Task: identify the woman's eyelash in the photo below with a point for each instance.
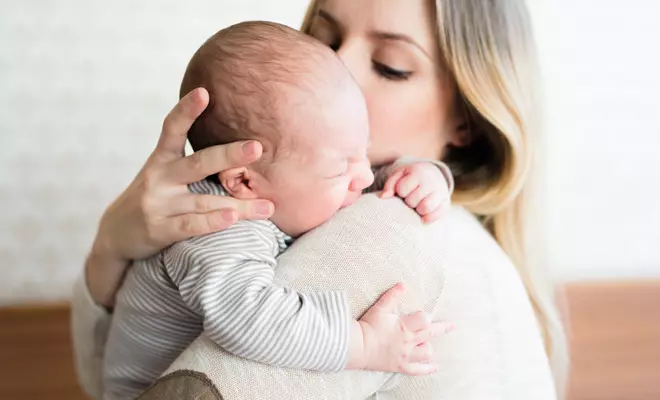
(390, 73)
(381, 69)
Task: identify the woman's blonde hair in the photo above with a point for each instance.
(489, 49)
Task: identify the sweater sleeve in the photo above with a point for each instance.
(227, 277)
(89, 326)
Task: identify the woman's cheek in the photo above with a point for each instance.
(390, 126)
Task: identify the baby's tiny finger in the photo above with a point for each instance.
(441, 328)
(417, 321)
(429, 204)
(418, 369)
(423, 335)
(385, 194)
(390, 183)
(414, 198)
(433, 216)
(406, 185)
(389, 301)
(421, 353)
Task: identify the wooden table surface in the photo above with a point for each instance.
(614, 334)
(36, 358)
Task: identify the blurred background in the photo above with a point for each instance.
(84, 86)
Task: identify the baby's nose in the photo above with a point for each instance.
(363, 178)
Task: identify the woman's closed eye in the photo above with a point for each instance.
(391, 73)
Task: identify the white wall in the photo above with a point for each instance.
(84, 86)
(601, 60)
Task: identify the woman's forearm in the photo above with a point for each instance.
(104, 273)
(89, 329)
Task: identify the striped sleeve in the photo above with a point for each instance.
(227, 277)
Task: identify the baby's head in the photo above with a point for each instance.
(273, 84)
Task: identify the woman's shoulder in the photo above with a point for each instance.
(485, 297)
(390, 220)
(470, 239)
(481, 292)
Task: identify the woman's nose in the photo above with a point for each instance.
(352, 57)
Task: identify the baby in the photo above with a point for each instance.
(273, 84)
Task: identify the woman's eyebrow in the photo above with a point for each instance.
(382, 35)
(400, 37)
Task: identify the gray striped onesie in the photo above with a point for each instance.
(222, 284)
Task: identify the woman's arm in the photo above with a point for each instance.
(155, 211)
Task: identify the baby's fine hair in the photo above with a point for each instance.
(250, 71)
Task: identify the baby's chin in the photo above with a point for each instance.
(350, 199)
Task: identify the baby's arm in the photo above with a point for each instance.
(227, 277)
(425, 185)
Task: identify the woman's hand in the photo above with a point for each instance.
(157, 209)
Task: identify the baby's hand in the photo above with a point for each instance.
(422, 186)
(392, 343)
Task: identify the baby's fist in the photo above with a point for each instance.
(423, 187)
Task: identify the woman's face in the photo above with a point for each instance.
(390, 47)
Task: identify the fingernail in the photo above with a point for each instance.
(264, 208)
(228, 215)
(249, 148)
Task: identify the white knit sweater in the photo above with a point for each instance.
(452, 267)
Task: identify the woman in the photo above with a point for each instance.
(450, 79)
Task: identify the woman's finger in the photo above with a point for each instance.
(206, 203)
(190, 225)
(421, 353)
(178, 122)
(389, 301)
(418, 369)
(214, 160)
(417, 321)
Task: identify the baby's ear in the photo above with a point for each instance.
(238, 183)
